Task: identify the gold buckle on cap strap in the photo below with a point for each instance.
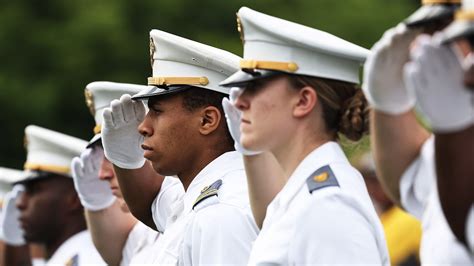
(47, 168)
(429, 2)
(465, 15)
(157, 81)
(270, 65)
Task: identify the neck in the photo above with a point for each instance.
(291, 153)
(69, 230)
(205, 157)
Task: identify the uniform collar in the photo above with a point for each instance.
(69, 247)
(219, 167)
(325, 154)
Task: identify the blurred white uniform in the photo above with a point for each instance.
(218, 229)
(419, 196)
(77, 250)
(336, 223)
(139, 246)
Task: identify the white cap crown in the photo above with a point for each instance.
(51, 151)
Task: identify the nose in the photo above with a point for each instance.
(21, 201)
(106, 171)
(144, 128)
(242, 102)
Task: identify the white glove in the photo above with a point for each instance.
(12, 233)
(120, 136)
(383, 72)
(95, 194)
(436, 77)
(233, 116)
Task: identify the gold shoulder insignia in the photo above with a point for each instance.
(208, 191)
(321, 178)
(73, 261)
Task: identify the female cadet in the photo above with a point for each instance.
(297, 92)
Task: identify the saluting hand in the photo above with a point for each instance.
(95, 194)
(383, 72)
(436, 76)
(12, 233)
(233, 117)
(120, 136)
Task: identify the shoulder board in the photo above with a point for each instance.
(208, 191)
(73, 261)
(321, 178)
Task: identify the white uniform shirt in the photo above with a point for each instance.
(218, 230)
(419, 196)
(331, 225)
(138, 246)
(76, 250)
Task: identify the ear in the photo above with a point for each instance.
(210, 120)
(307, 99)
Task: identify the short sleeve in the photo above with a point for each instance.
(333, 232)
(220, 234)
(139, 237)
(418, 180)
(171, 192)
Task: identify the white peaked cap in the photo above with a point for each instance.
(51, 151)
(179, 63)
(463, 24)
(98, 96)
(10, 176)
(275, 44)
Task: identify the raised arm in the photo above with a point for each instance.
(138, 181)
(396, 135)
(265, 177)
(453, 124)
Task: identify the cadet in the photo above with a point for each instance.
(297, 93)
(50, 210)
(402, 148)
(119, 237)
(19, 252)
(204, 213)
(452, 126)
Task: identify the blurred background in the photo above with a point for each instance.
(51, 49)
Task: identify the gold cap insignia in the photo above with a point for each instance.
(321, 177)
(152, 51)
(89, 101)
(240, 29)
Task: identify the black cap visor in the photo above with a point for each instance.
(428, 14)
(242, 77)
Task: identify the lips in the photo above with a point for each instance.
(148, 151)
(243, 120)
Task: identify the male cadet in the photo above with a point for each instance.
(401, 145)
(50, 211)
(10, 231)
(117, 235)
(183, 134)
(447, 101)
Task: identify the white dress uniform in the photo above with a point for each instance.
(323, 215)
(212, 222)
(419, 196)
(139, 245)
(470, 230)
(76, 250)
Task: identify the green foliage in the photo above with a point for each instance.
(51, 49)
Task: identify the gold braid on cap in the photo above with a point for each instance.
(158, 81)
(465, 15)
(47, 168)
(269, 65)
(431, 2)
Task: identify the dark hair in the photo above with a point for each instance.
(195, 98)
(345, 109)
